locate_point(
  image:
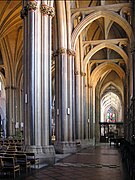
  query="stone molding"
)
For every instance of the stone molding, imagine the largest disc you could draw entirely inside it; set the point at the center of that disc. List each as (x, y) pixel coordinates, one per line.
(49, 150)
(83, 74)
(125, 10)
(46, 154)
(76, 73)
(132, 50)
(11, 87)
(69, 52)
(31, 6)
(133, 98)
(89, 86)
(62, 51)
(47, 10)
(24, 12)
(65, 147)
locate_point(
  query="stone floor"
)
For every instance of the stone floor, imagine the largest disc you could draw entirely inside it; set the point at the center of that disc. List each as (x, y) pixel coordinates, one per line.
(100, 163)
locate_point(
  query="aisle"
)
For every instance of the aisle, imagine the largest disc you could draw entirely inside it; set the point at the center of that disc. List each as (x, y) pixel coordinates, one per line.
(99, 163)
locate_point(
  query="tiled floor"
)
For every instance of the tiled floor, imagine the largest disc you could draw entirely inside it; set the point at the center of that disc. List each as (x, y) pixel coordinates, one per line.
(100, 163)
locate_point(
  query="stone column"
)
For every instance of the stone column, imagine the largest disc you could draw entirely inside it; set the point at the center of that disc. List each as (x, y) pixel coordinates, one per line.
(64, 124)
(97, 114)
(63, 95)
(47, 14)
(133, 90)
(11, 110)
(102, 2)
(85, 124)
(91, 112)
(85, 106)
(37, 78)
(77, 95)
(89, 100)
(28, 14)
(94, 115)
(71, 95)
(71, 78)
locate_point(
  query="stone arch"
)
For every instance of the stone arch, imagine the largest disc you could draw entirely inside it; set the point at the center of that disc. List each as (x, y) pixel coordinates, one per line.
(113, 84)
(105, 45)
(118, 93)
(96, 15)
(107, 66)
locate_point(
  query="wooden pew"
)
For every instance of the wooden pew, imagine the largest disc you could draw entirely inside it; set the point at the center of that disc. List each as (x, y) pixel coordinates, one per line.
(9, 165)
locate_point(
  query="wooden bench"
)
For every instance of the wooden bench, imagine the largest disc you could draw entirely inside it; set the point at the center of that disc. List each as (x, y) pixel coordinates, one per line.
(32, 158)
(9, 165)
(21, 159)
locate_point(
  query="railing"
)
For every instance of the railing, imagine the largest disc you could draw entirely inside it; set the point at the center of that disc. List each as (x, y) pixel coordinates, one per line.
(130, 123)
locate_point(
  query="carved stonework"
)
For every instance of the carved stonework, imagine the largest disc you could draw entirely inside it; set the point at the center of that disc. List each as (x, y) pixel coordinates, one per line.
(32, 6)
(125, 10)
(90, 86)
(76, 73)
(47, 10)
(123, 44)
(54, 54)
(62, 51)
(24, 12)
(70, 52)
(133, 99)
(126, 13)
(10, 87)
(83, 74)
(132, 50)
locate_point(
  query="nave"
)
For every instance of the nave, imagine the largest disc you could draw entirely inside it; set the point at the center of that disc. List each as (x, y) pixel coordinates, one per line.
(67, 79)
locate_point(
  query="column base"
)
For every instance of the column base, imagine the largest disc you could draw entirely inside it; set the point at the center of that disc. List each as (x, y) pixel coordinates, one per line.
(65, 147)
(84, 143)
(46, 154)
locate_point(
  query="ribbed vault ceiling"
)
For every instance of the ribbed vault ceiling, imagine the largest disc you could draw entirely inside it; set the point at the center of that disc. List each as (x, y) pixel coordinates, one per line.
(110, 102)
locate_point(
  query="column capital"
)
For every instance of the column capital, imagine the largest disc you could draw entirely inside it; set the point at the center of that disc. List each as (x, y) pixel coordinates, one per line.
(70, 52)
(133, 98)
(76, 73)
(132, 50)
(11, 87)
(62, 50)
(24, 12)
(132, 47)
(31, 6)
(59, 51)
(54, 54)
(89, 86)
(83, 74)
(47, 10)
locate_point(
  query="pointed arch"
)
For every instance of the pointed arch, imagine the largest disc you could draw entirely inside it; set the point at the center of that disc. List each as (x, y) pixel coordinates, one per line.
(96, 15)
(97, 73)
(105, 45)
(114, 85)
